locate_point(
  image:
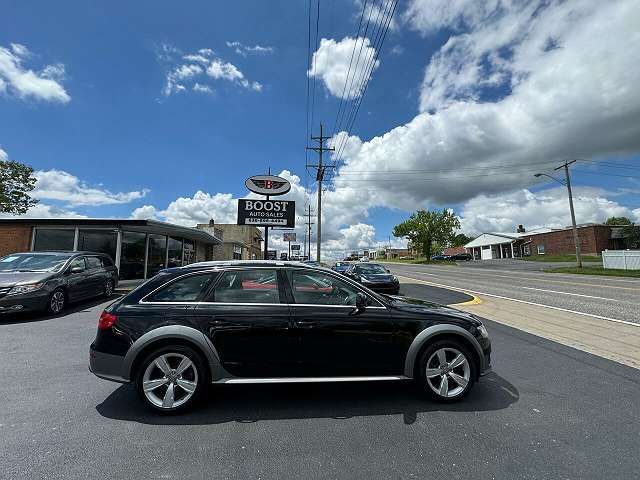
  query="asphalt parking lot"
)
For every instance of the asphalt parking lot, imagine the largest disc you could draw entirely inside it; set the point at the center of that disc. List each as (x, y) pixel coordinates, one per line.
(547, 411)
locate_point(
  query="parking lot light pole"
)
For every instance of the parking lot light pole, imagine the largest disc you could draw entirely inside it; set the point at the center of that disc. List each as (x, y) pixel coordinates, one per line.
(567, 184)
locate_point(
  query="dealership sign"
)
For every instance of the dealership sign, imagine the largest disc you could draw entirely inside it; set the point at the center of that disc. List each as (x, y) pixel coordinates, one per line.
(266, 213)
(268, 185)
(295, 247)
(289, 237)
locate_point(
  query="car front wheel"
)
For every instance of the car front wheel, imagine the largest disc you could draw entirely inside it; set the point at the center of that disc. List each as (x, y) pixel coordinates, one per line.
(57, 301)
(108, 288)
(171, 379)
(447, 371)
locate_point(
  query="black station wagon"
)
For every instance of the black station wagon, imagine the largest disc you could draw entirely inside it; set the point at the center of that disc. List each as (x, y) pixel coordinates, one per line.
(276, 322)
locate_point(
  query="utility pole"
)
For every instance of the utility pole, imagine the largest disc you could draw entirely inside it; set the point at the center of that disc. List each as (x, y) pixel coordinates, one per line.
(320, 149)
(266, 233)
(576, 239)
(308, 234)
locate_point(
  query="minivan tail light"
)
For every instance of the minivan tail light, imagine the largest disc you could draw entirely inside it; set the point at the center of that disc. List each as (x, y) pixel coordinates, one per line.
(107, 320)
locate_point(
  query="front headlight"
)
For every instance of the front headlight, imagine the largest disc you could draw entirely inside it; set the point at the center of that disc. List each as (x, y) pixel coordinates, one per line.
(20, 289)
(483, 331)
(395, 279)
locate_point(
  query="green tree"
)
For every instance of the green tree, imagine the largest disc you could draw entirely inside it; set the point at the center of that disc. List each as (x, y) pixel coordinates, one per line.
(16, 180)
(618, 221)
(460, 240)
(424, 228)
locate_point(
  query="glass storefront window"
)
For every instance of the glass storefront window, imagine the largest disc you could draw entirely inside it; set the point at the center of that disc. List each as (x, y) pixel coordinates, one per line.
(100, 241)
(132, 255)
(157, 256)
(175, 252)
(189, 252)
(54, 239)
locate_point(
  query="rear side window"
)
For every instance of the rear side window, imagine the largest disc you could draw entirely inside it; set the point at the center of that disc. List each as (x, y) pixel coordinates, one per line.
(185, 289)
(93, 262)
(106, 261)
(247, 286)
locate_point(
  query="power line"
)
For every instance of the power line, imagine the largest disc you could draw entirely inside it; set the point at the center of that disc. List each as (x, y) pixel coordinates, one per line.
(367, 74)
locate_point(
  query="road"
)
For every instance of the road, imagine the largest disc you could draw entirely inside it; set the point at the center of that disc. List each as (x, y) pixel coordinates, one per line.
(547, 411)
(611, 297)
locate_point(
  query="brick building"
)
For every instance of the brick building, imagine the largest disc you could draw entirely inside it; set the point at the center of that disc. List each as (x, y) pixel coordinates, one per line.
(239, 242)
(546, 241)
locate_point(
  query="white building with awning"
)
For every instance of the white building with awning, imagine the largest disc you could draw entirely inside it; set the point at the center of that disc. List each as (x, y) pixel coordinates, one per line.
(499, 245)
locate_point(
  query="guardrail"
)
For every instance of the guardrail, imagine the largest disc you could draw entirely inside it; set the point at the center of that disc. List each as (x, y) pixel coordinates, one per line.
(621, 259)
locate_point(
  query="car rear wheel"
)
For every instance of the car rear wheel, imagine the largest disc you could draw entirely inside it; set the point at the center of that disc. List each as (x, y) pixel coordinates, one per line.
(447, 371)
(171, 379)
(57, 302)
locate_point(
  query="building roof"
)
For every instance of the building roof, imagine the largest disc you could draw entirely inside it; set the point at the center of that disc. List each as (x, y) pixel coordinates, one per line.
(149, 226)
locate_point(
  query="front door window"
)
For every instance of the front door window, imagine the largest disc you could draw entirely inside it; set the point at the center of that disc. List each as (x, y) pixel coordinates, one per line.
(320, 289)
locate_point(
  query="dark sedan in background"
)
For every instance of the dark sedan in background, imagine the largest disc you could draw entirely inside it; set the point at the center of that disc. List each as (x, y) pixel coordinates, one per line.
(47, 281)
(341, 267)
(375, 277)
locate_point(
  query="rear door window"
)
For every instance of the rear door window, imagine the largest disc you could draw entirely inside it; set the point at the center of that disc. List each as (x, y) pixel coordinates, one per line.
(247, 286)
(185, 289)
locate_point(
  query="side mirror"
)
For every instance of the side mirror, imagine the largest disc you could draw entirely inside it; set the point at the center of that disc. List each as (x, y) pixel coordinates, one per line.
(388, 271)
(76, 270)
(361, 302)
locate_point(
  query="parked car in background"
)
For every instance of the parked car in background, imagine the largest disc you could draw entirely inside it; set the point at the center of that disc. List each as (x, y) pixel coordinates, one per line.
(364, 259)
(274, 322)
(375, 277)
(341, 267)
(47, 281)
(463, 257)
(440, 257)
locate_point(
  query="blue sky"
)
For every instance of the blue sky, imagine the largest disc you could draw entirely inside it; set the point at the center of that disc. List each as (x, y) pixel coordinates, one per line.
(119, 132)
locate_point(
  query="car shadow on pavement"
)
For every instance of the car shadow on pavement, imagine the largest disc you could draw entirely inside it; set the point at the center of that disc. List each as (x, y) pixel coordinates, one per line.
(253, 403)
(11, 319)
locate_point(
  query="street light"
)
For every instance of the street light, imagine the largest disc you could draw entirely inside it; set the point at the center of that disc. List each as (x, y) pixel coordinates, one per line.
(567, 184)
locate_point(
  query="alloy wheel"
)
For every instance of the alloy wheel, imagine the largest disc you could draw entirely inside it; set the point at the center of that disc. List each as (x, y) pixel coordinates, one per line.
(448, 372)
(56, 303)
(170, 380)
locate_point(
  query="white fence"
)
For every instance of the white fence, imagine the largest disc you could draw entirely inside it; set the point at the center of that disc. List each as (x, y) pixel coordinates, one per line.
(622, 259)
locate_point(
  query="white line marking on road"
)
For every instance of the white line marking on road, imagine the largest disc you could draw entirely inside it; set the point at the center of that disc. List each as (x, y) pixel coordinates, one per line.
(548, 278)
(574, 294)
(525, 302)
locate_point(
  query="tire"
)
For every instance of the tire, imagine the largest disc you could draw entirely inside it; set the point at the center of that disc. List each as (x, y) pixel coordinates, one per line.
(158, 379)
(446, 382)
(57, 301)
(108, 289)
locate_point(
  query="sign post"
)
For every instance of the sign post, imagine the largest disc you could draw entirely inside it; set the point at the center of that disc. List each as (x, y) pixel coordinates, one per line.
(289, 237)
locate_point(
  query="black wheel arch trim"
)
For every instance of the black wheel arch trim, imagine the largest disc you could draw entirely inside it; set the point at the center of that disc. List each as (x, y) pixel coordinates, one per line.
(425, 337)
(178, 332)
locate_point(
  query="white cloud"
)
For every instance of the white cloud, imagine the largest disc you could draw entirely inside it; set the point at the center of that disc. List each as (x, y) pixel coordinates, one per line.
(331, 62)
(64, 187)
(576, 100)
(245, 50)
(145, 212)
(3, 155)
(25, 83)
(202, 88)
(375, 14)
(547, 208)
(201, 66)
(43, 210)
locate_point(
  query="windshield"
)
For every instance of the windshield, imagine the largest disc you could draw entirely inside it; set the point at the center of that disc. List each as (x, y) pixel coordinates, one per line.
(371, 269)
(32, 263)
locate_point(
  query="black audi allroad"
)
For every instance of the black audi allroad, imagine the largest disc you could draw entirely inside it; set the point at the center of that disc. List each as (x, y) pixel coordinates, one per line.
(276, 322)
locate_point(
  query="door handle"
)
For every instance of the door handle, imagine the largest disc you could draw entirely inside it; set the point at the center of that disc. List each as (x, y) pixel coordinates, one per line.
(305, 323)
